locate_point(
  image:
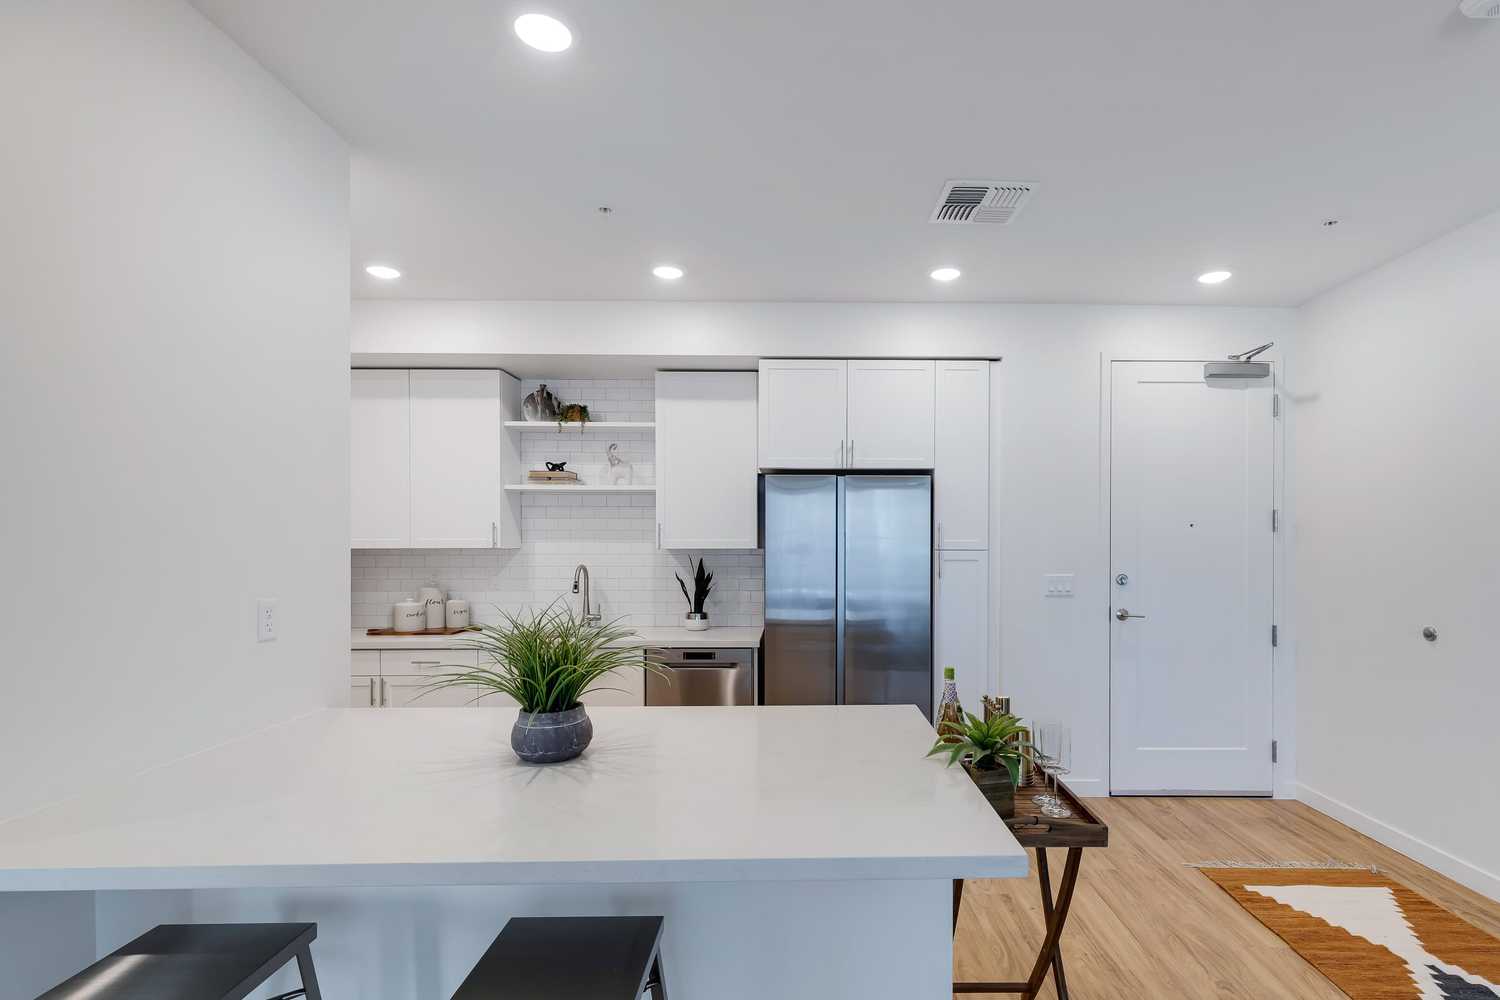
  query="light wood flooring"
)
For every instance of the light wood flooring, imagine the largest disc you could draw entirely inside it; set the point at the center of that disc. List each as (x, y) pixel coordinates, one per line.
(1144, 927)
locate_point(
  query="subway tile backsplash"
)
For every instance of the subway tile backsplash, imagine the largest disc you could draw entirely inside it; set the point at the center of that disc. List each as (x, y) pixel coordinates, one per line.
(613, 534)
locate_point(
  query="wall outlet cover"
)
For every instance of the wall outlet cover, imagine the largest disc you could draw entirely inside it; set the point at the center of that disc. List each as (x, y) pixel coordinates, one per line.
(265, 620)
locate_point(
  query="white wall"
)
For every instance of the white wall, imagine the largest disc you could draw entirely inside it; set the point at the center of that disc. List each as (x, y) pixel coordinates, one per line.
(1397, 462)
(174, 394)
(1053, 654)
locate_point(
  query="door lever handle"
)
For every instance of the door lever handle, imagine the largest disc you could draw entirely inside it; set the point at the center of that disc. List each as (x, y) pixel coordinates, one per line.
(1123, 615)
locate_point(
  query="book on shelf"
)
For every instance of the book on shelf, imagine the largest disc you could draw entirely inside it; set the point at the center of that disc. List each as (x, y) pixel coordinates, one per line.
(543, 476)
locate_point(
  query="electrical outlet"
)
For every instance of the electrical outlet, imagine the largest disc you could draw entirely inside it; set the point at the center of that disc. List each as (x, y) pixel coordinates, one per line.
(265, 620)
(1058, 585)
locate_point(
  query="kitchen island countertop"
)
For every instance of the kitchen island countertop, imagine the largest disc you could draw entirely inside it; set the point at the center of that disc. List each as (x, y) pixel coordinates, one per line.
(346, 797)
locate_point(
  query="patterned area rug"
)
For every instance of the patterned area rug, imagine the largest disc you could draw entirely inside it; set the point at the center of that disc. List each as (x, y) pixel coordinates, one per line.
(1373, 938)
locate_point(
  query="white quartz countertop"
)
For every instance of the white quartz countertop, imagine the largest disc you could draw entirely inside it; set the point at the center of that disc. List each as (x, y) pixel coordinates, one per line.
(721, 637)
(434, 796)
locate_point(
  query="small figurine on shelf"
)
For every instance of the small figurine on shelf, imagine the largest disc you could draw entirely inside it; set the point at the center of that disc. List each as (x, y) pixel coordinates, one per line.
(621, 472)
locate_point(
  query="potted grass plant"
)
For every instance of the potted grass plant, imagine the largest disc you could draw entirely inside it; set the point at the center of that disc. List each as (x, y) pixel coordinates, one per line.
(696, 619)
(546, 661)
(991, 751)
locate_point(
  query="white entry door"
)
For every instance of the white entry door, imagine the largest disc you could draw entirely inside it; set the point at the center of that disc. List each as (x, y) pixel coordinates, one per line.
(1191, 505)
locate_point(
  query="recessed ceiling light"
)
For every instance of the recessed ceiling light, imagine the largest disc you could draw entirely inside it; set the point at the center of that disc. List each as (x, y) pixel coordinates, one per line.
(945, 274)
(543, 32)
(1214, 277)
(667, 272)
(383, 271)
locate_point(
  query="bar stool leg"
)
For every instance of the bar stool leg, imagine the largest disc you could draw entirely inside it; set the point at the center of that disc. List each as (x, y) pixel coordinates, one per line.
(655, 982)
(309, 975)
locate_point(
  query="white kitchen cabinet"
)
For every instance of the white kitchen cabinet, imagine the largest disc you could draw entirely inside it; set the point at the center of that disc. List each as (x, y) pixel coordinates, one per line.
(961, 623)
(627, 686)
(380, 459)
(706, 465)
(456, 489)
(429, 459)
(890, 415)
(802, 414)
(414, 662)
(414, 691)
(364, 692)
(961, 471)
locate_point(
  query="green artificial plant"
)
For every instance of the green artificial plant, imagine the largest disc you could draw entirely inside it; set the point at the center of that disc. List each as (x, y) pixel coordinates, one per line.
(992, 743)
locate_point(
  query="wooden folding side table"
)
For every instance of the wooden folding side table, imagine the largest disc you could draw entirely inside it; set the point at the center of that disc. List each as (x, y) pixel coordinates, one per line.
(1032, 829)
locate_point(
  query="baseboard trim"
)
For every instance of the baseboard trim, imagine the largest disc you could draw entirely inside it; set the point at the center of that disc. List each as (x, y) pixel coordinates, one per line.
(1434, 857)
(1089, 788)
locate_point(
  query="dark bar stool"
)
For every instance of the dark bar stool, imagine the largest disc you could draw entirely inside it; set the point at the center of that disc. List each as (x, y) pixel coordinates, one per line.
(197, 962)
(570, 958)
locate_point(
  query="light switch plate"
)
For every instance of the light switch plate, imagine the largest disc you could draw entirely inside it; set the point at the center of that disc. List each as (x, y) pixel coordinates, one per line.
(265, 620)
(1058, 585)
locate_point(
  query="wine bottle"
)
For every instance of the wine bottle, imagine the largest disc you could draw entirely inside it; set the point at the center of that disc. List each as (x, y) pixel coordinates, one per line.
(950, 712)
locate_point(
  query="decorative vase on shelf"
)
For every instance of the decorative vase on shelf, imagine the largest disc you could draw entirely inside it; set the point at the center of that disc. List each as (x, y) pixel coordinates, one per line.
(551, 737)
(695, 621)
(540, 405)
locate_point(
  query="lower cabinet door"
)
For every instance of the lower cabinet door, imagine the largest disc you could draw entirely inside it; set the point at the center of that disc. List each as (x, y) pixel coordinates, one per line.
(414, 691)
(626, 686)
(364, 692)
(961, 624)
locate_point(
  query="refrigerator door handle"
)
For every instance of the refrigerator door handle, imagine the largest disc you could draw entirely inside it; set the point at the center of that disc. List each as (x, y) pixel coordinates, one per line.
(841, 552)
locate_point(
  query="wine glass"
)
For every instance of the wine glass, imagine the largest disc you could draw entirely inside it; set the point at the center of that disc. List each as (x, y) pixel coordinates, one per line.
(1057, 761)
(1045, 735)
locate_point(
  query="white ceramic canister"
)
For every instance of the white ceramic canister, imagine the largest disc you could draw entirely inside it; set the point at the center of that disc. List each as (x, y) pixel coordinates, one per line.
(458, 614)
(409, 615)
(431, 597)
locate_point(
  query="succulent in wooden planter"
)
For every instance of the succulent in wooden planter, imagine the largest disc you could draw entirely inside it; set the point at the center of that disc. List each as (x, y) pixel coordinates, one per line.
(992, 751)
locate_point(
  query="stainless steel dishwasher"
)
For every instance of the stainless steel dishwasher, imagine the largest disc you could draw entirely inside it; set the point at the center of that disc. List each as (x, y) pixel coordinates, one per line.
(701, 677)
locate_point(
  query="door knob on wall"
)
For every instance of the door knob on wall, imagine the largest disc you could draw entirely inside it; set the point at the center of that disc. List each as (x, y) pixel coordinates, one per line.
(1123, 615)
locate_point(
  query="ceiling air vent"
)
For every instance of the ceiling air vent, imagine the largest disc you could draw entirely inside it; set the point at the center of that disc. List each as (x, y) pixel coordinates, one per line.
(1486, 9)
(990, 202)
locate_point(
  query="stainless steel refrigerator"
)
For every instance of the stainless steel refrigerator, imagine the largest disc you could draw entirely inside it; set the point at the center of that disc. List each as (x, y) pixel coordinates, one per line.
(848, 590)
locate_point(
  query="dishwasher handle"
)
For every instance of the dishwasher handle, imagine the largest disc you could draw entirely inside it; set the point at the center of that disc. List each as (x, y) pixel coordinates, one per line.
(688, 657)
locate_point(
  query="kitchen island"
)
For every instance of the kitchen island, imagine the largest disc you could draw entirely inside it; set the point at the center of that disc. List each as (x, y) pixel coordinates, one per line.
(794, 851)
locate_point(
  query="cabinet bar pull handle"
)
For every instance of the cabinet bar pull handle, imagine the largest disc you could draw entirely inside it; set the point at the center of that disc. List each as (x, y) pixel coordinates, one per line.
(372, 692)
(841, 454)
(382, 693)
(851, 453)
(494, 535)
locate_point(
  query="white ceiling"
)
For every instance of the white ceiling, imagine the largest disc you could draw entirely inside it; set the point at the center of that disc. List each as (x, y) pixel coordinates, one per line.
(794, 150)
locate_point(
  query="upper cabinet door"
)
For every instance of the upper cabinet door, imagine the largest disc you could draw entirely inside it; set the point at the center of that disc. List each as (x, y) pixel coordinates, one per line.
(379, 459)
(706, 489)
(803, 413)
(961, 477)
(455, 442)
(890, 415)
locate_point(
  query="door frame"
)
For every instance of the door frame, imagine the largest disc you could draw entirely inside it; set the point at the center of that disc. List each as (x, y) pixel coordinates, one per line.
(1283, 678)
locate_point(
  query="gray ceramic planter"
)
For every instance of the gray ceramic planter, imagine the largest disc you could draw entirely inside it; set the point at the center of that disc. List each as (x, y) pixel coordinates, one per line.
(549, 737)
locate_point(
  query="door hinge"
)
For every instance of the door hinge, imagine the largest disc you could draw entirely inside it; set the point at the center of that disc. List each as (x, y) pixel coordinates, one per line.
(1275, 404)
(1273, 751)
(1275, 519)
(1275, 636)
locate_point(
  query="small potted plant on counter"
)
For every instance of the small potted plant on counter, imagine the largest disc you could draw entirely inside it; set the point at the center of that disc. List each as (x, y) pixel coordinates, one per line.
(992, 751)
(696, 619)
(545, 661)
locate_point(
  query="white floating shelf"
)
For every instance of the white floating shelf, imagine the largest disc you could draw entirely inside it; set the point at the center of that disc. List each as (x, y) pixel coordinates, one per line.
(538, 426)
(576, 488)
